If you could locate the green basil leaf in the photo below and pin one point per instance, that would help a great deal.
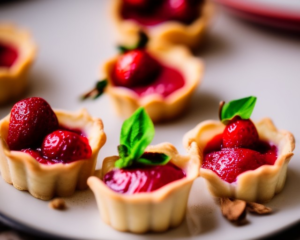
(123, 162)
(123, 49)
(154, 159)
(143, 40)
(240, 107)
(123, 151)
(137, 133)
(120, 163)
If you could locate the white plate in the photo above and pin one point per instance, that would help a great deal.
(74, 37)
(275, 13)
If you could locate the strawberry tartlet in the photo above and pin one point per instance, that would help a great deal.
(181, 22)
(49, 153)
(241, 159)
(17, 52)
(161, 79)
(145, 188)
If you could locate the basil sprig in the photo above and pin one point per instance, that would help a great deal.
(240, 107)
(97, 91)
(142, 42)
(136, 134)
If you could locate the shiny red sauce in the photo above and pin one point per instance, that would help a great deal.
(8, 55)
(168, 81)
(162, 12)
(142, 178)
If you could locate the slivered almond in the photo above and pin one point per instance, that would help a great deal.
(233, 210)
(258, 208)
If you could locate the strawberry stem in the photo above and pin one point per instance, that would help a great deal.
(96, 92)
(221, 105)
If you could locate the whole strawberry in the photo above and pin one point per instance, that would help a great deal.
(240, 133)
(31, 120)
(135, 68)
(66, 146)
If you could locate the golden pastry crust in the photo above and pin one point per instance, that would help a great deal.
(13, 80)
(259, 185)
(154, 211)
(172, 32)
(46, 181)
(159, 109)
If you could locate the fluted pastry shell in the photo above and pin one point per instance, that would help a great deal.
(13, 80)
(61, 179)
(152, 211)
(171, 32)
(158, 108)
(259, 185)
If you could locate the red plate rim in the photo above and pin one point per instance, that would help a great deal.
(262, 10)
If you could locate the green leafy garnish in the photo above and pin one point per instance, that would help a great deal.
(154, 159)
(97, 91)
(240, 107)
(143, 40)
(136, 134)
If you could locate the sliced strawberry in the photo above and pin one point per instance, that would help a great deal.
(65, 145)
(229, 163)
(240, 133)
(30, 121)
(135, 68)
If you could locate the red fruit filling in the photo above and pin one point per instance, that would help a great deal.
(228, 163)
(141, 4)
(142, 178)
(8, 55)
(152, 13)
(146, 77)
(34, 129)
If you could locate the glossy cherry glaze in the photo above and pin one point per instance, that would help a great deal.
(142, 178)
(62, 146)
(8, 55)
(184, 11)
(228, 163)
(168, 81)
(139, 71)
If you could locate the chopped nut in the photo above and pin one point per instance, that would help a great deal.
(258, 208)
(58, 204)
(233, 210)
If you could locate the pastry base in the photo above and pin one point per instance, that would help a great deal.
(156, 211)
